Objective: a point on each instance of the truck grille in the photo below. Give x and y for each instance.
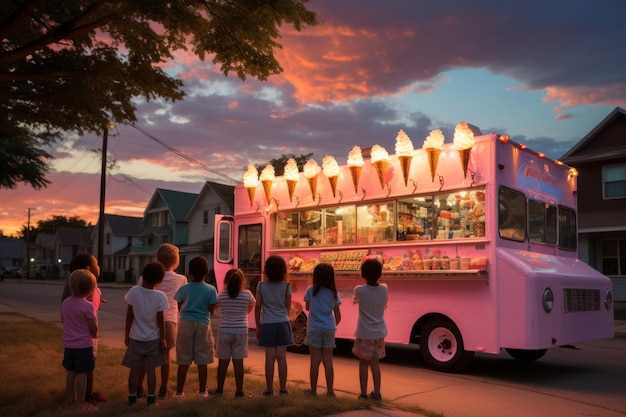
(577, 299)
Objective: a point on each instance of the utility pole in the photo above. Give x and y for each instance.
(28, 246)
(105, 139)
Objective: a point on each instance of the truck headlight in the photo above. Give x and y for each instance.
(547, 300)
(608, 298)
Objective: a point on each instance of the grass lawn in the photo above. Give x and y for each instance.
(32, 383)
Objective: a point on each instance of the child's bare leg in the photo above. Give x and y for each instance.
(181, 377)
(70, 386)
(222, 369)
(270, 358)
(133, 377)
(81, 387)
(375, 366)
(151, 378)
(281, 357)
(165, 369)
(202, 375)
(327, 360)
(363, 374)
(316, 358)
(238, 368)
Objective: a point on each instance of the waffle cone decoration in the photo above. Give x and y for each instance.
(313, 185)
(381, 170)
(356, 174)
(464, 155)
(433, 160)
(333, 183)
(405, 164)
(291, 186)
(251, 191)
(267, 186)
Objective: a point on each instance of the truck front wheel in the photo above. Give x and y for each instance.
(441, 346)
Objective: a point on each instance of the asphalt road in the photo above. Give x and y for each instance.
(587, 382)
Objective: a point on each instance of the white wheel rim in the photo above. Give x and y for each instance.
(442, 344)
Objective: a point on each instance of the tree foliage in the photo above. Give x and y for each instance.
(78, 65)
(50, 225)
(279, 163)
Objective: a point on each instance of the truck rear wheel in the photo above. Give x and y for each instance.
(526, 355)
(298, 330)
(441, 346)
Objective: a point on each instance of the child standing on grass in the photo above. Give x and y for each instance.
(322, 303)
(194, 341)
(371, 329)
(273, 330)
(80, 327)
(145, 330)
(234, 302)
(168, 256)
(89, 262)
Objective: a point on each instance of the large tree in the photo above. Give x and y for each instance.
(77, 65)
(50, 226)
(279, 163)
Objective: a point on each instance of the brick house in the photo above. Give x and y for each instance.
(600, 158)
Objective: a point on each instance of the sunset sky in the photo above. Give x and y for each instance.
(544, 72)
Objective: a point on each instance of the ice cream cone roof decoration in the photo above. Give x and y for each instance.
(404, 152)
(267, 179)
(433, 145)
(291, 176)
(250, 181)
(463, 142)
(380, 160)
(311, 171)
(355, 164)
(330, 167)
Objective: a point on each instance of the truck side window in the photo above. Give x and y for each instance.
(567, 228)
(541, 222)
(511, 214)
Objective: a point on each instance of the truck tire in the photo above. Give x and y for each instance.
(441, 346)
(298, 330)
(526, 355)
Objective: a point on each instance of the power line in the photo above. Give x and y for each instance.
(183, 155)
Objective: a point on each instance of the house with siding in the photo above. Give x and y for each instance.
(600, 158)
(121, 233)
(214, 198)
(164, 221)
(69, 242)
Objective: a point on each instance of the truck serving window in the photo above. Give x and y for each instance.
(511, 214)
(567, 228)
(541, 222)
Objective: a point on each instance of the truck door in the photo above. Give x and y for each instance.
(249, 253)
(238, 246)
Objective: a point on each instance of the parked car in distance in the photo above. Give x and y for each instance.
(47, 271)
(11, 272)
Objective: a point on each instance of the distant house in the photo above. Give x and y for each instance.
(164, 221)
(213, 199)
(600, 158)
(121, 233)
(69, 242)
(12, 252)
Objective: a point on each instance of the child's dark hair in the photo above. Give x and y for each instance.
(234, 281)
(324, 277)
(371, 270)
(275, 268)
(198, 268)
(153, 273)
(81, 261)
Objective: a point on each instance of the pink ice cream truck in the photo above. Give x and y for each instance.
(477, 238)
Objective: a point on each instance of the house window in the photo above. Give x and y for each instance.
(166, 239)
(614, 257)
(217, 210)
(205, 217)
(129, 241)
(108, 238)
(614, 181)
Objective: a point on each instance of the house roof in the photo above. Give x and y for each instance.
(179, 203)
(583, 152)
(124, 225)
(226, 193)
